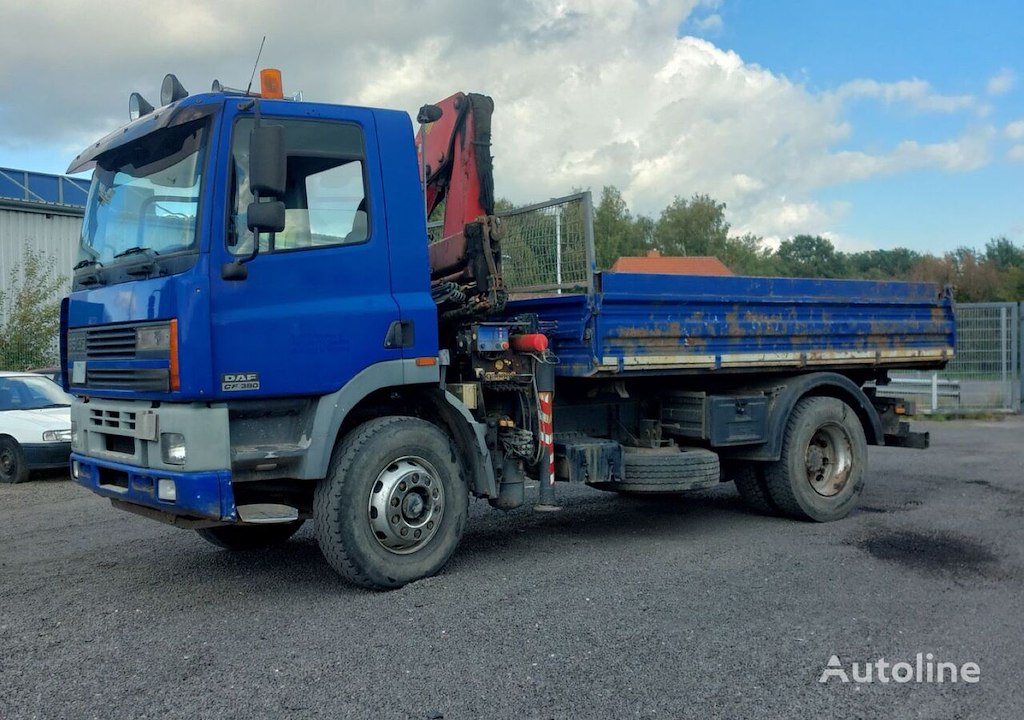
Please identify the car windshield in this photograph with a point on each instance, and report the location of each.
(28, 392)
(144, 198)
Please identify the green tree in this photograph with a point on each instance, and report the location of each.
(1003, 254)
(811, 256)
(976, 280)
(696, 226)
(30, 312)
(747, 255)
(616, 232)
(1012, 289)
(882, 264)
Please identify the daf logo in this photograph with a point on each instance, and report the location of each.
(233, 382)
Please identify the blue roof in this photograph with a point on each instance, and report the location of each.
(42, 188)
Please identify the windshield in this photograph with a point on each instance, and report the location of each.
(144, 198)
(31, 393)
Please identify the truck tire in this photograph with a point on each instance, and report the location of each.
(249, 537)
(393, 506)
(665, 470)
(820, 475)
(13, 465)
(750, 482)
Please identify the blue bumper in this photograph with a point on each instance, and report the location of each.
(197, 494)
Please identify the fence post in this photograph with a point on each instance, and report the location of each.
(558, 250)
(935, 392)
(1004, 339)
(588, 239)
(1020, 354)
(1015, 357)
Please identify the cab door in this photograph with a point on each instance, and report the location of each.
(317, 303)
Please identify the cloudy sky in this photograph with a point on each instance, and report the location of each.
(876, 123)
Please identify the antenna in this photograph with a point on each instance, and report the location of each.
(255, 65)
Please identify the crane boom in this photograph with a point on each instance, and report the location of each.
(454, 152)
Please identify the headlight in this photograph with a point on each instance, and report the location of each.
(153, 338)
(57, 435)
(172, 448)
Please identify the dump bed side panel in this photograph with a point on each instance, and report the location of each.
(639, 324)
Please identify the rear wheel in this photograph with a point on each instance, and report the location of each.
(820, 475)
(13, 465)
(249, 537)
(750, 482)
(393, 506)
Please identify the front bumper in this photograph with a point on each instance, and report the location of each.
(42, 456)
(204, 494)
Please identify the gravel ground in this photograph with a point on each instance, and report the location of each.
(612, 608)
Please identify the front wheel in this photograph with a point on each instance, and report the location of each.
(820, 475)
(393, 506)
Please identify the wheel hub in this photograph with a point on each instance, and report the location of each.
(406, 505)
(829, 459)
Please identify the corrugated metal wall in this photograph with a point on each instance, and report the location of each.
(55, 234)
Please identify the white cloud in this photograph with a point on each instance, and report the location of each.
(587, 93)
(915, 93)
(1016, 153)
(1002, 82)
(709, 24)
(1015, 130)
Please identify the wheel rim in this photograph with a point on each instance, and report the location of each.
(829, 459)
(406, 505)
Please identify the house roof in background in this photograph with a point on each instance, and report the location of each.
(658, 264)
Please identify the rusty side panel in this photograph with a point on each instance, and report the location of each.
(650, 323)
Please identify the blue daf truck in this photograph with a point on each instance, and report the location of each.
(260, 334)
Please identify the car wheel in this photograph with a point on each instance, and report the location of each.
(13, 465)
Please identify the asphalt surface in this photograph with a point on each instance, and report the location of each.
(613, 608)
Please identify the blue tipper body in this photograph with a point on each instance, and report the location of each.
(639, 323)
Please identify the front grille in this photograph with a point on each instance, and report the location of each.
(110, 342)
(128, 379)
(108, 345)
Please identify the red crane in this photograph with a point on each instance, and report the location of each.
(454, 146)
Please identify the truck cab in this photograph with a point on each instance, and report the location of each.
(185, 371)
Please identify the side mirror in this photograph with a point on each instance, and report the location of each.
(267, 161)
(265, 217)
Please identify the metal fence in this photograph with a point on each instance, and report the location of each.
(16, 355)
(984, 375)
(548, 247)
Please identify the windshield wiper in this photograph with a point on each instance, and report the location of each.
(88, 262)
(135, 251)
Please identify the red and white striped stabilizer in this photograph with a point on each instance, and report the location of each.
(547, 439)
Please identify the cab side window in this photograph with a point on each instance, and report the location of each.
(325, 191)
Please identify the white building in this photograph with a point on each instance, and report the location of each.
(44, 212)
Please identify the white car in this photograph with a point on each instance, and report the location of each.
(35, 425)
